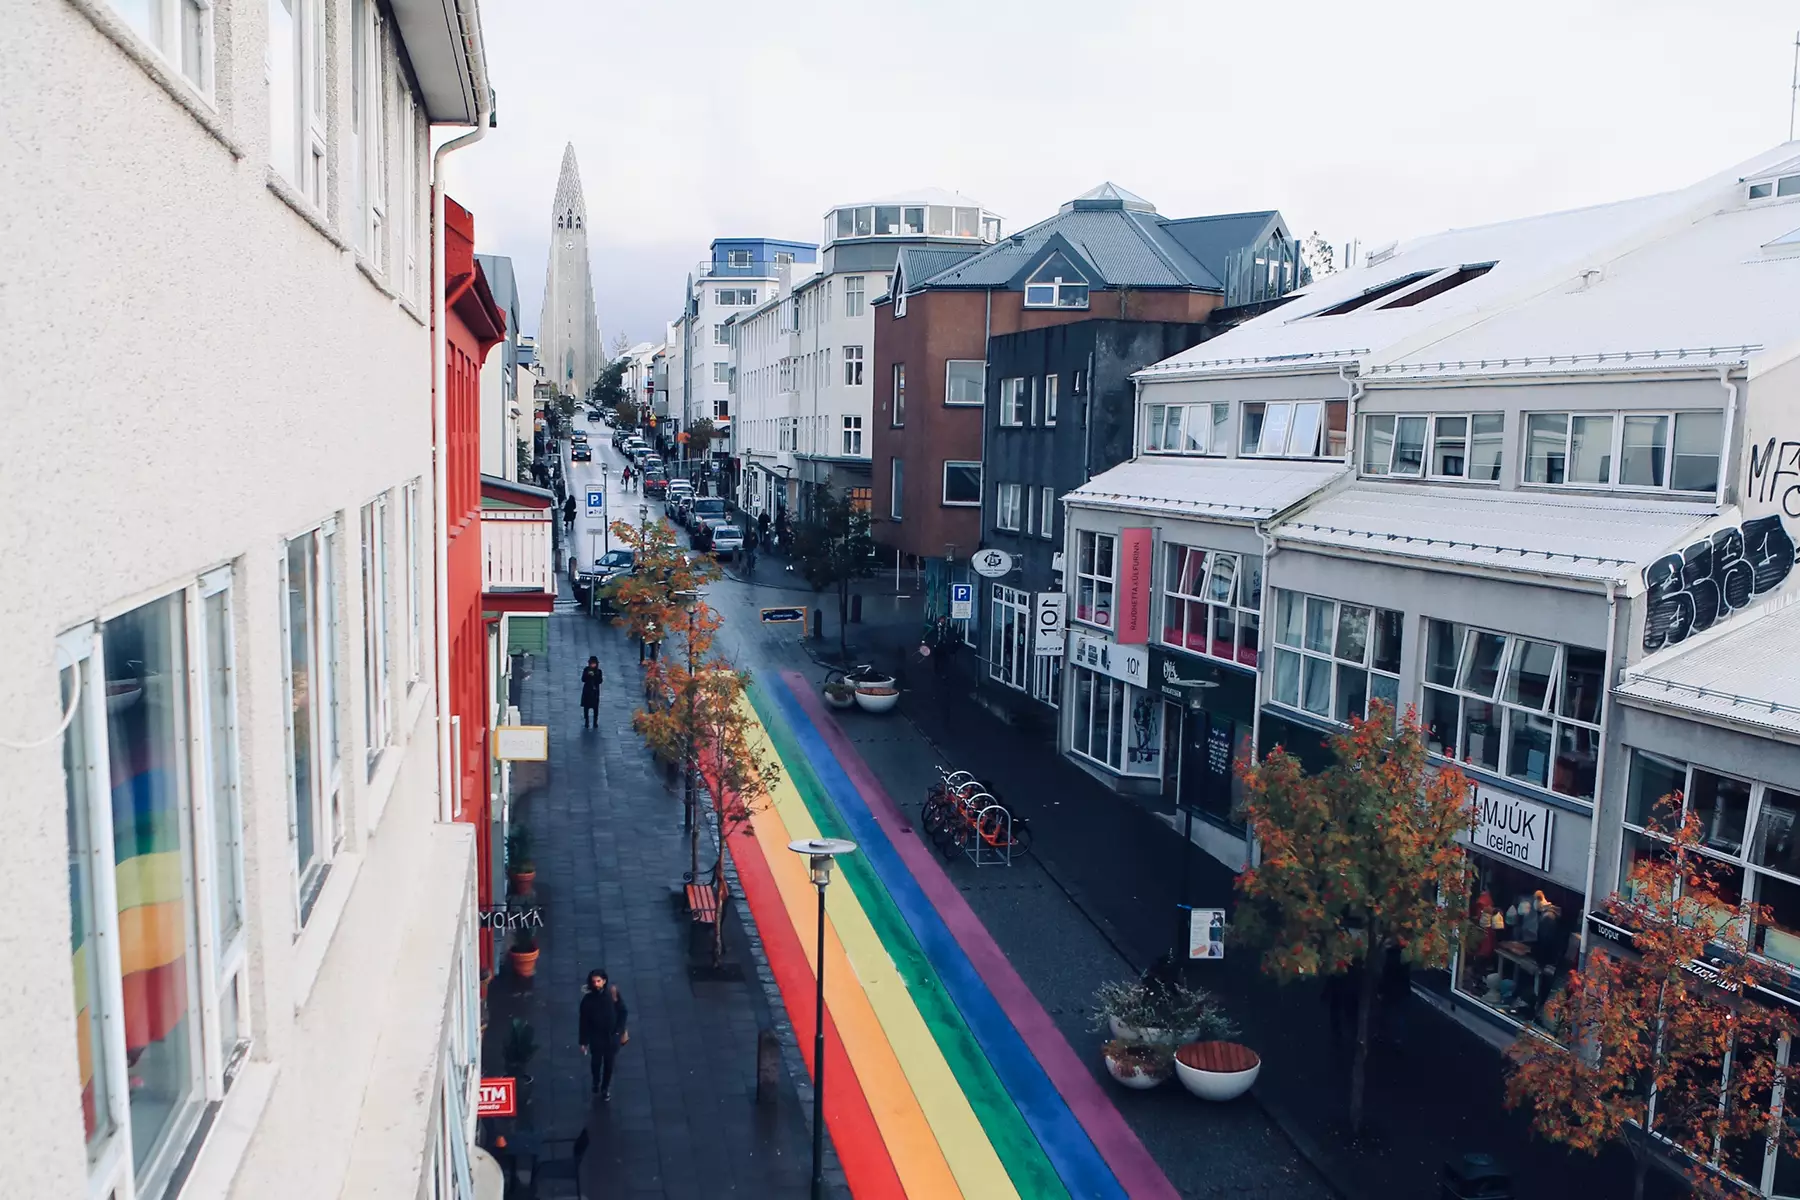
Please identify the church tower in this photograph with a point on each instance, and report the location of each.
(568, 340)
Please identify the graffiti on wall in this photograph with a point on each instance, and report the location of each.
(1770, 464)
(1712, 578)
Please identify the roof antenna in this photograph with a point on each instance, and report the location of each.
(1794, 87)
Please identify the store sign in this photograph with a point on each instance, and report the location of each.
(1137, 578)
(1206, 933)
(508, 919)
(1512, 828)
(522, 743)
(499, 1097)
(1049, 611)
(991, 564)
(1130, 663)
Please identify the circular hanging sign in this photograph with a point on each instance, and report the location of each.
(991, 564)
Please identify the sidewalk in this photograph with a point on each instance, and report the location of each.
(1433, 1097)
(606, 831)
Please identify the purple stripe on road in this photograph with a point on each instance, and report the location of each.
(1136, 1171)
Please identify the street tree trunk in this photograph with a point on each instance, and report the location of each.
(843, 591)
(1365, 1005)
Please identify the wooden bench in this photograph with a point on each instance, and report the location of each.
(704, 900)
(1223, 1057)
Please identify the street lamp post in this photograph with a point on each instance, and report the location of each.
(820, 853)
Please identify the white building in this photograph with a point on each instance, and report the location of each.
(807, 414)
(639, 379)
(217, 681)
(501, 412)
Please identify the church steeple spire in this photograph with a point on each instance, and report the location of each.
(568, 333)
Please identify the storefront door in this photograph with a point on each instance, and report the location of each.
(1208, 745)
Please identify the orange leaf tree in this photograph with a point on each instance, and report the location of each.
(650, 599)
(1356, 861)
(1665, 1032)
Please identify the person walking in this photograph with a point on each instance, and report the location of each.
(569, 512)
(591, 679)
(762, 527)
(603, 1030)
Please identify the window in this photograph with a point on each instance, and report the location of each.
(156, 882)
(1293, 429)
(853, 364)
(1096, 567)
(721, 372)
(1442, 446)
(1186, 428)
(964, 380)
(1580, 450)
(1440, 285)
(1331, 659)
(1008, 506)
(896, 489)
(862, 499)
(720, 337)
(285, 72)
(1055, 284)
(1527, 709)
(1078, 383)
(1046, 679)
(1009, 640)
(899, 416)
(962, 484)
(314, 72)
(180, 31)
(853, 295)
(1373, 294)
(784, 258)
(415, 600)
(738, 258)
(1012, 400)
(309, 665)
(735, 297)
(721, 412)
(1050, 384)
(377, 719)
(368, 132)
(1212, 602)
(1097, 718)
(1047, 512)
(853, 432)
(409, 191)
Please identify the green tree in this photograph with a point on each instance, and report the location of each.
(609, 390)
(1356, 861)
(833, 548)
(699, 437)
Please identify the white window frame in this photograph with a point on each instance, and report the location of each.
(1292, 442)
(739, 259)
(721, 372)
(898, 419)
(378, 718)
(1046, 678)
(1052, 384)
(1505, 711)
(1116, 696)
(1374, 461)
(720, 338)
(409, 189)
(1226, 592)
(1058, 293)
(286, 89)
(1047, 513)
(972, 386)
(1615, 459)
(1095, 581)
(166, 35)
(853, 436)
(412, 544)
(1012, 401)
(1008, 506)
(325, 757)
(944, 493)
(314, 154)
(853, 295)
(1009, 637)
(896, 489)
(853, 366)
(1199, 429)
(1304, 656)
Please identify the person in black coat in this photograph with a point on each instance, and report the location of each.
(569, 511)
(591, 679)
(602, 1029)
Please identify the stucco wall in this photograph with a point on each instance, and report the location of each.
(231, 378)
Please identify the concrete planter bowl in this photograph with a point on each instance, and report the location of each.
(840, 698)
(1217, 1070)
(1136, 1065)
(876, 698)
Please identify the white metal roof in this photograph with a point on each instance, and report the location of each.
(1218, 489)
(1571, 537)
(1749, 673)
(1532, 256)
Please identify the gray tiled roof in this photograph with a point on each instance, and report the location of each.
(1127, 248)
(1749, 673)
(919, 263)
(1211, 239)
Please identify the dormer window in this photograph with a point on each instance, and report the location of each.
(1784, 185)
(1056, 284)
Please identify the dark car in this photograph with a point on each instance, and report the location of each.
(703, 509)
(581, 453)
(593, 415)
(578, 435)
(608, 568)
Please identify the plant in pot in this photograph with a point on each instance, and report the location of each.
(1159, 1010)
(524, 954)
(520, 1048)
(520, 870)
(840, 695)
(1137, 1065)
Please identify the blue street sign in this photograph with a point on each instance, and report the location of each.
(782, 616)
(596, 501)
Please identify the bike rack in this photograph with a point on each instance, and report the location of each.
(998, 852)
(974, 809)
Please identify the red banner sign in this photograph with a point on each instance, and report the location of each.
(499, 1097)
(1137, 575)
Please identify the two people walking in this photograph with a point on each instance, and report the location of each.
(603, 1029)
(591, 679)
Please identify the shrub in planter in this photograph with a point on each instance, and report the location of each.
(1161, 1011)
(524, 954)
(520, 1048)
(839, 695)
(519, 867)
(1138, 1064)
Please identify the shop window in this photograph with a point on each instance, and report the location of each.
(1332, 658)
(1009, 640)
(1046, 679)
(1098, 718)
(1212, 603)
(1438, 446)
(1096, 568)
(1526, 938)
(1523, 708)
(1186, 428)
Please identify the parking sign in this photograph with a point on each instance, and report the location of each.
(962, 601)
(596, 503)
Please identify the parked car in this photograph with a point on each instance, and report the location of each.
(678, 493)
(593, 414)
(581, 453)
(704, 508)
(725, 539)
(655, 483)
(653, 462)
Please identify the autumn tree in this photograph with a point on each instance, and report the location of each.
(649, 600)
(1356, 861)
(1665, 1031)
(833, 548)
(699, 437)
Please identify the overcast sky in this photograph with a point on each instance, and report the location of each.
(696, 119)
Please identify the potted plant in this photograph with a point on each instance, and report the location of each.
(520, 1048)
(524, 954)
(1137, 1065)
(840, 695)
(1160, 1010)
(520, 870)
(1123, 1008)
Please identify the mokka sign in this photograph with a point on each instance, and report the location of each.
(1512, 828)
(513, 918)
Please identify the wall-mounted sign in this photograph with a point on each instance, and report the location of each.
(783, 616)
(1130, 663)
(1049, 612)
(962, 602)
(991, 564)
(522, 743)
(1137, 578)
(1510, 827)
(499, 1097)
(1056, 562)
(530, 917)
(1206, 933)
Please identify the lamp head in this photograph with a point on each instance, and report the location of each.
(819, 855)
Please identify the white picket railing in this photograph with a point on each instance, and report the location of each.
(516, 552)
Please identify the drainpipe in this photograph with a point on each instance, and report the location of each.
(1252, 851)
(1356, 388)
(1731, 404)
(440, 499)
(1587, 890)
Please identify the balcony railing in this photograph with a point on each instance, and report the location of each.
(516, 553)
(755, 268)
